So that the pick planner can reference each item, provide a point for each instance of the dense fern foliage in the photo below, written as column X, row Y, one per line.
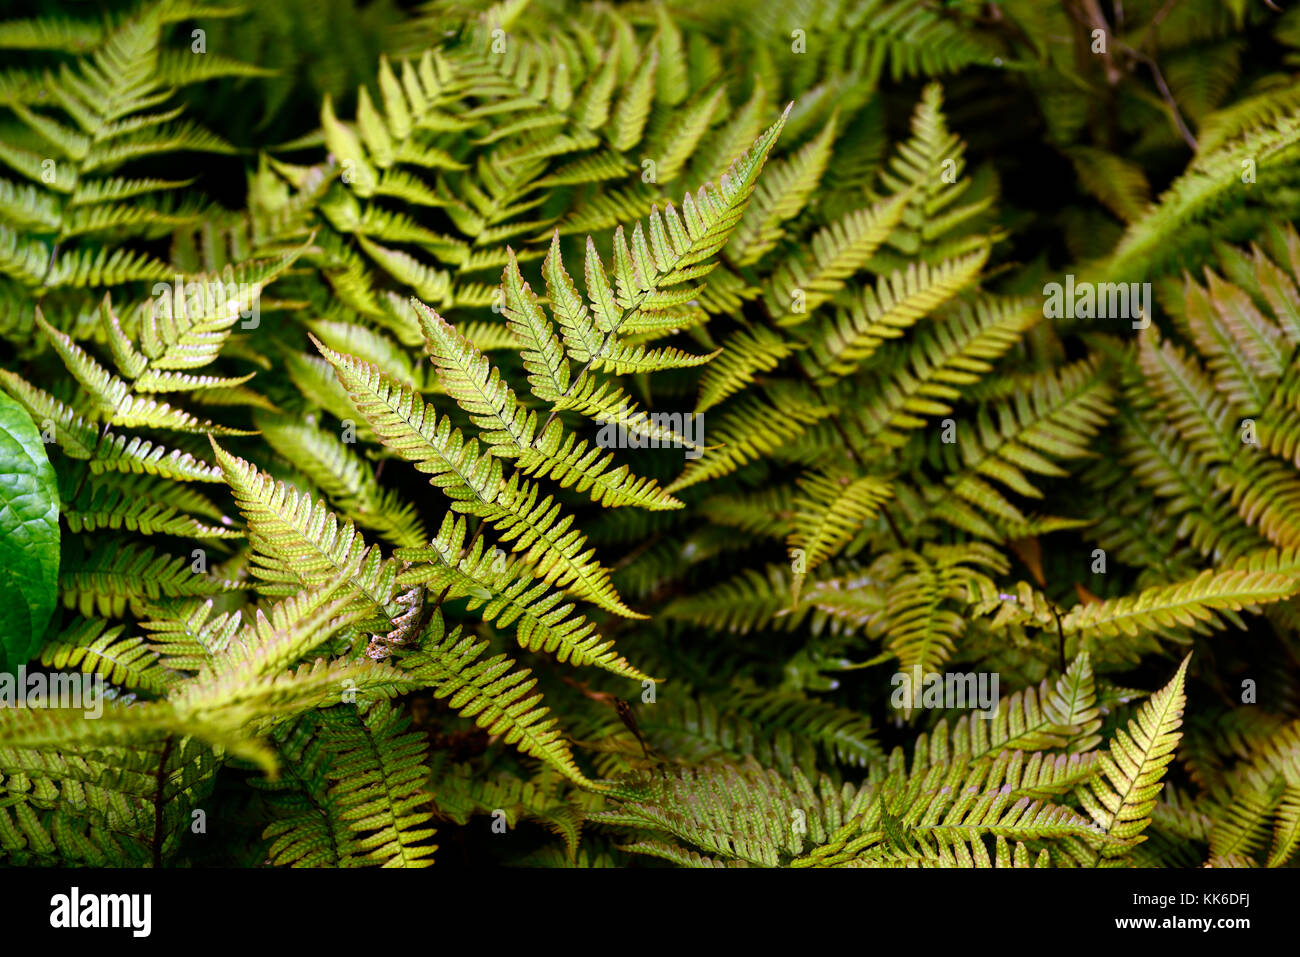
column 815, row 434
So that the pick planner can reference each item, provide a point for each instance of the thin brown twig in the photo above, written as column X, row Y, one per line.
column 1163, row 12
column 1093, row 16
column 1090, row 15
column 1060, row 634
column 1165, row 94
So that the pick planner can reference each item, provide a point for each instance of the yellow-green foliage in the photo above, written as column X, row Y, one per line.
column 600, row 415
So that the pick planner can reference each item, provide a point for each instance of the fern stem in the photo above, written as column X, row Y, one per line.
column 573, row 384
column 85, row 476
column 853, row 452
column 893, row 526
column 1167, row 95
column 1060, row 634
column 1097, row 20
column 615, row 327
column 427, row 614
column 160, row 800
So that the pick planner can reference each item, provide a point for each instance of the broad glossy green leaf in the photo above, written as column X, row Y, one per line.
column 29, row 536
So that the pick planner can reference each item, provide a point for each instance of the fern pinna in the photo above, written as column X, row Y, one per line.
column 807, row 491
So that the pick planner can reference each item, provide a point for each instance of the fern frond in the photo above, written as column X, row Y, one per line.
column 95, row 648
column 377, row 774
column 508, row 595
column 344, row 476
column 746, row 354
column 110, row 582
column 500, row 699
column 830, row 511
column 1163, row 609
column 297, row 541
column 1121, row 797
column 898, row 302
column 783, row 192
column 802, row 284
